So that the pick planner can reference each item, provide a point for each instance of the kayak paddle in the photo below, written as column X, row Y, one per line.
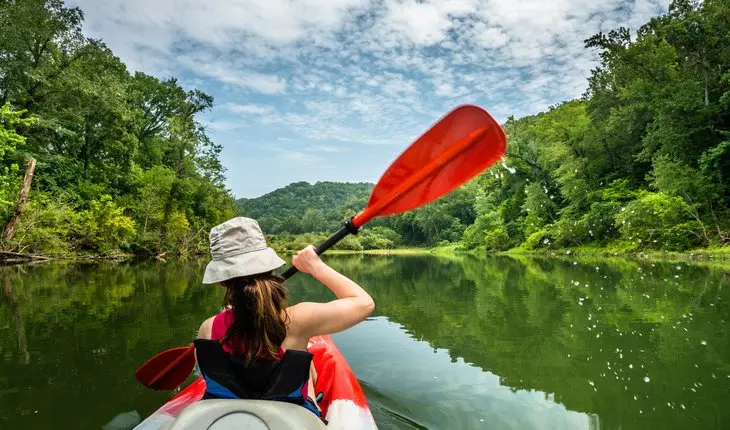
column 458, row 147
column 168, row 369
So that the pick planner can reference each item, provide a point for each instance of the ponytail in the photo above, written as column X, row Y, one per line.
column 259, row 319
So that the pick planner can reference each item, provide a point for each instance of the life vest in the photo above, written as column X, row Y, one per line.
column 227, row 377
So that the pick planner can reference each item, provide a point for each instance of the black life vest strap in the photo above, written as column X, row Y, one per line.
column 262, row 379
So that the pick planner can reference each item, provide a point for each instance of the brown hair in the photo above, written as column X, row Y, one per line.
column 259, row 321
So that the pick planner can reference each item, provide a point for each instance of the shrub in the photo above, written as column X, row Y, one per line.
column 539, row 239
column 46, row 226
column 599, row 221
column 475, row 235
column 496, row 239
column 657, row 220
column 103, row 227
column 350, row 243
column 567, row 232
column 378, row 238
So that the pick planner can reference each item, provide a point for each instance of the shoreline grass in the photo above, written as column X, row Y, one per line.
column 711, row 257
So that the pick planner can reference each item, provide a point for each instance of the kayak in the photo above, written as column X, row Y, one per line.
column 343, row 403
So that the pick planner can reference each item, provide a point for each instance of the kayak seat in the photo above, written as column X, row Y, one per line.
column 224, row 414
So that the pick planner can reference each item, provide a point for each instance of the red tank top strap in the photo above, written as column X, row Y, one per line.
column 221, row 322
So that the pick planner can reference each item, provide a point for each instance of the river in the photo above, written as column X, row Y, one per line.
column 488, row 343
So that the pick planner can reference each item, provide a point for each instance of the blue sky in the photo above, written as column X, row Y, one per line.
column 311, row 90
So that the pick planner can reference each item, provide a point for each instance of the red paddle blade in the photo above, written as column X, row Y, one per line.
column 458, row 147
column 168, row 369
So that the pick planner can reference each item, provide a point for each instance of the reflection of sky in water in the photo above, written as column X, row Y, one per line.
column 427, row 387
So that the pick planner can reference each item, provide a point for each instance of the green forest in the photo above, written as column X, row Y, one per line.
column 640, row 161
column 123, row 163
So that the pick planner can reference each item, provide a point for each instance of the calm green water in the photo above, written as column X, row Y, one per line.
column 494, row 343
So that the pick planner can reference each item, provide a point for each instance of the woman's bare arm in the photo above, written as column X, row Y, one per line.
column 353, row 304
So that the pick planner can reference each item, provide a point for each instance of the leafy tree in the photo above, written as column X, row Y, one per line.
column 122, row 160
column 9, row 141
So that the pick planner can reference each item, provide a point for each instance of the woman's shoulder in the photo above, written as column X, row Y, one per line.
column 206, row 329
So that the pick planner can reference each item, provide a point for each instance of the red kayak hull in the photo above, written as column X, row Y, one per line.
column 344, row 404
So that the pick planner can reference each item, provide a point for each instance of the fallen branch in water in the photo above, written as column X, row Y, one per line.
column 105, row 257
column 7, row 255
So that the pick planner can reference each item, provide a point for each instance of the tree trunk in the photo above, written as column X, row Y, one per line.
column 22, row 199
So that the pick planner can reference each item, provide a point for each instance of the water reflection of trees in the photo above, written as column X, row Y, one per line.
column 588, row 331
column 528, row 320
column 87, row 328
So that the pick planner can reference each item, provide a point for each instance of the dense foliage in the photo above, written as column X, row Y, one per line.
column 642, row 160
column 122, row 162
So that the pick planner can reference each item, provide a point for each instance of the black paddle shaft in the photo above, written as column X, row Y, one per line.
column 348, row 229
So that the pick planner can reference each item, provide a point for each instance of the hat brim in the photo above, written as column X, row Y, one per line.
column 247, row 264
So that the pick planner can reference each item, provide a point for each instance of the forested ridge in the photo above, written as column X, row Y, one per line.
column 123, row 163
column 641, row 161
column 301, row 207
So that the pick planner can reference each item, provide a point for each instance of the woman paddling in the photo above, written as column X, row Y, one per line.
column 256, row 348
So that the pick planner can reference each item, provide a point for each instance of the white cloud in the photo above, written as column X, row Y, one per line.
column 225, row 22
column 489, row 37
column 224, row 126
column 374, row 72
column 217, row 69
column 249, row 109
column 331, row 149
column 299, row 157
column 423, row 23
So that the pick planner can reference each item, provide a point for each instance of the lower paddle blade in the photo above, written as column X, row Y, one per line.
column 168, row 369
column 461, row 145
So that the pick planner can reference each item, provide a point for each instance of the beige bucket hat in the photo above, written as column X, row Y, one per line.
column 238, row 248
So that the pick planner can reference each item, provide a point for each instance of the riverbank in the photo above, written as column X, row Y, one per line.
column 710, row 257
column 717, row 254
column 14, row 258
column 439, row 250
column 715, row 257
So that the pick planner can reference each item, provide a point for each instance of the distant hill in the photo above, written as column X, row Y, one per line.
column 303, row 207
column 303, row 213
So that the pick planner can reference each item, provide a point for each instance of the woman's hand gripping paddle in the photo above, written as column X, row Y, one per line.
column 458, row 147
